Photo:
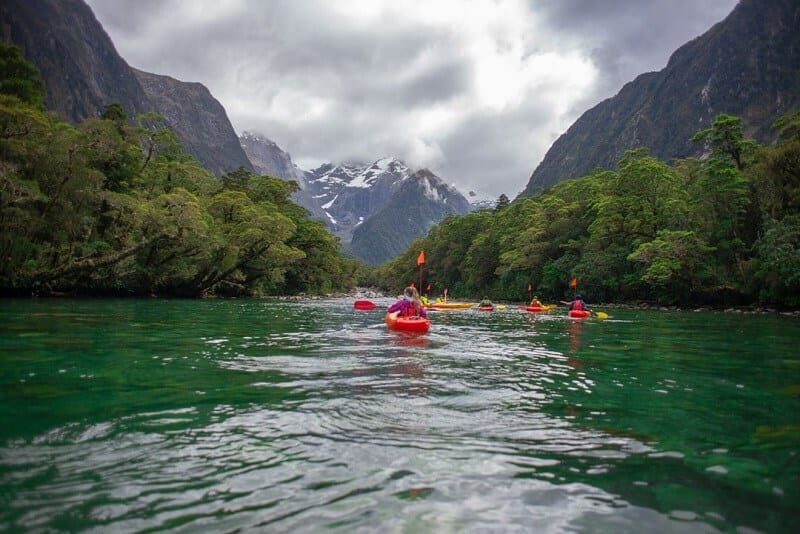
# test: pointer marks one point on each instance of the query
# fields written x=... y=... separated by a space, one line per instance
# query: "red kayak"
x=486 y=308
x=579 y=314
x=364 y=305
x=407 y=324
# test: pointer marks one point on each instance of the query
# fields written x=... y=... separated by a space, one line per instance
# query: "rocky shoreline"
x=357 y=294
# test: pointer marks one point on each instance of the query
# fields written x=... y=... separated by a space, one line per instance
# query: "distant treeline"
x=722 y=230
x=115 y=207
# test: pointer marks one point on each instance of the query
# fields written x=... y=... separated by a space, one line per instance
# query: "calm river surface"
x=275 y=416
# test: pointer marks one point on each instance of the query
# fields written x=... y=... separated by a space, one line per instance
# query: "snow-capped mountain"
x=418 y=202
x=349 y=194
x=392 y=202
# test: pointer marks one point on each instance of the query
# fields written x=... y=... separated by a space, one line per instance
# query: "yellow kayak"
x=538 y=309
x=449 y=305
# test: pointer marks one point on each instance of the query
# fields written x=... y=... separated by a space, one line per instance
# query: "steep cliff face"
x=80 y=67
x=268 y=158
x=199 y=120
x=747 y=65
x=83 y=72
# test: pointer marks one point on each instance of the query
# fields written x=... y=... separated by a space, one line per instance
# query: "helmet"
x=579 y=297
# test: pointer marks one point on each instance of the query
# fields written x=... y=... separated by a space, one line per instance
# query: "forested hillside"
x=721 y=230
x=747 y=66
x=83 y=72
x=115 y=207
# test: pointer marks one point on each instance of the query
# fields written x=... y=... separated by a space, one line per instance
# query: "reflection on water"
x=308 y=416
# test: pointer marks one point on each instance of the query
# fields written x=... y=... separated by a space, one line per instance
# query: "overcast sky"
x=474 y=90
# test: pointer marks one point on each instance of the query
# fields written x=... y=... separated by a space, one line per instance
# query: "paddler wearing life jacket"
x=577 y=304
x=409 y=304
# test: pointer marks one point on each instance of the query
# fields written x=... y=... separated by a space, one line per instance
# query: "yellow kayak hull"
x=449 y=305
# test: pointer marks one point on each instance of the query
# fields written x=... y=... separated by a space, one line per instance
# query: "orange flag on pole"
x=529 y=287
x=421 y=257
x=574 y=283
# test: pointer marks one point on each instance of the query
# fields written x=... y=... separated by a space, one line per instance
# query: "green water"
x=227 y=415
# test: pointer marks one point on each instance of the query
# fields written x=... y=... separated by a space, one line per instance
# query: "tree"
x=502 y=202
x=112 y=152
x=678 y=264
x=788 y=126
x=721 y=200
x=644 y=197
x=252 y=244
x=237 y=180
x=322 y=269
x=483 y=257
x=726 y=138
x=20 y=78
x=20 y=123
x=114 y=112
x=778 y=262
x=776 y=175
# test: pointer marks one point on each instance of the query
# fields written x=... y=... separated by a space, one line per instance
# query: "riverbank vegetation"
x=722 y=230
x=115 y=207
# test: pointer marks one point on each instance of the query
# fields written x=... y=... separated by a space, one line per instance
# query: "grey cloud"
x=439 y=82
x=369 y=79
x=498 y=148
x=626 y=38
x=124 y=16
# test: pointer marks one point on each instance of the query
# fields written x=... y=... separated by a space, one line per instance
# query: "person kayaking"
x=577 y=304
x=536 y=303
x=485 y=303
x=409 y=304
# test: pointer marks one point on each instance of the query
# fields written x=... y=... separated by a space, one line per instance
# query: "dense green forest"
x=722 y=230
x=114 y=207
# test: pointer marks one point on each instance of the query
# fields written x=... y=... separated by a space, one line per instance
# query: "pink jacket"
x=406 y=307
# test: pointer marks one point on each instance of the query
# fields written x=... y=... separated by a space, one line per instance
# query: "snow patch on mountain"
x=431 y=192
x=328 y=205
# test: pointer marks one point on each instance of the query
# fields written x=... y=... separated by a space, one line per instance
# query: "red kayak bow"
x=364 y=305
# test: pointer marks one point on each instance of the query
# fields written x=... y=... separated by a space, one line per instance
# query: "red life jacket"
x=409 y=311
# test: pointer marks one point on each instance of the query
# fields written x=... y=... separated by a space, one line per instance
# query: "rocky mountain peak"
x=269 y=159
